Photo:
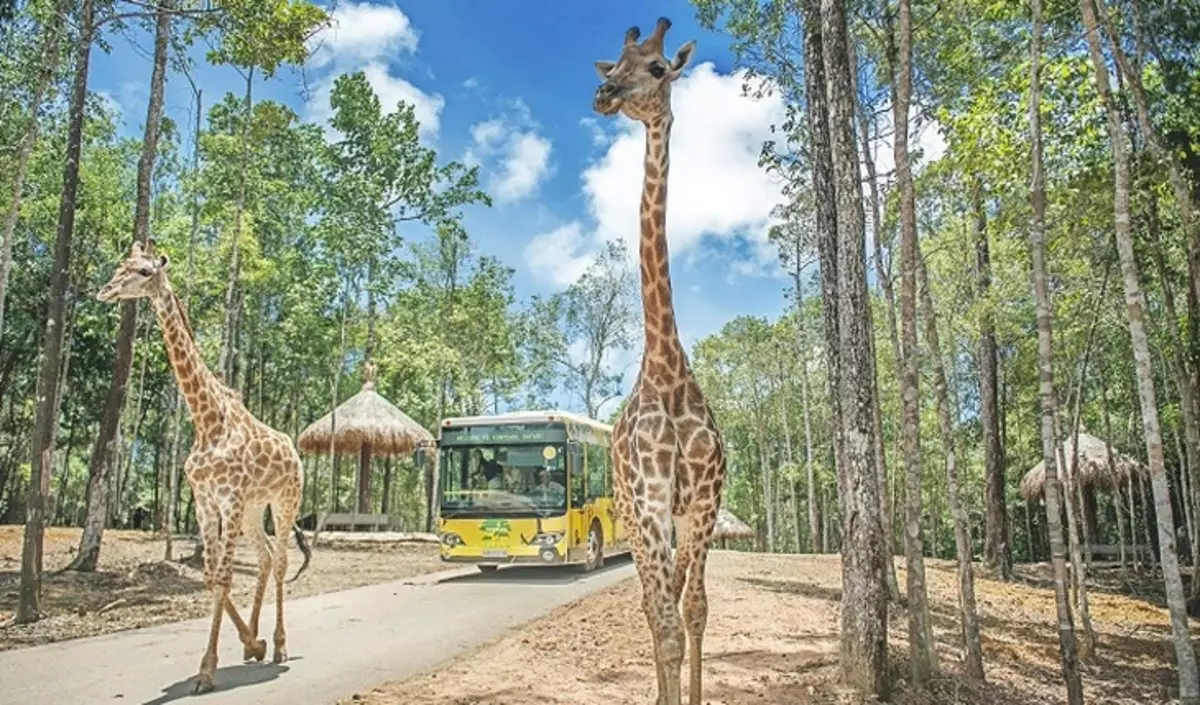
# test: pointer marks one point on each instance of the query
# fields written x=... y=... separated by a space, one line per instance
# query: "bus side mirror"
x=575 y=452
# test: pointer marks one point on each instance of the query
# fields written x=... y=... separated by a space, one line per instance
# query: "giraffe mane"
x=221 y=386
x=183 y=313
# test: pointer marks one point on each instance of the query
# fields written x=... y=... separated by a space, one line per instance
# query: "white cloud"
x=512 y=154
x=362 y=32
x=716 y=188
x=362 y=37
x=560 y=255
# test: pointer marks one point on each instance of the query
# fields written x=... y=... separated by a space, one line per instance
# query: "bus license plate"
x=494 y=553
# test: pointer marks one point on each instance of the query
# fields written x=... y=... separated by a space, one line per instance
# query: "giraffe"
x=668 y=456
x=237 y=466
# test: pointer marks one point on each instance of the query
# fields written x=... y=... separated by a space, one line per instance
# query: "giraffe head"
x=139 y=275
x=639 y=82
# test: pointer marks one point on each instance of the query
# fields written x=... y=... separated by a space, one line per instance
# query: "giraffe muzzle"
x=608 y=99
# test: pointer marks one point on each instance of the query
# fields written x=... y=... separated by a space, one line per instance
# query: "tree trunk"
x=46 y=415
x=921 y=655
x=883 y=278
x=997 y=549
x=814 y=520
x=1189 y=677
x=107 y=438
x=1183 y=195
x=51 y=38
x=864 y=585
x=193 y=232
x=885 y=507
x=333 y=393
x=1179 y=360
x=232 y=292
x=826 y=226
x=1076 y=493
x=1037 y=189
x=962 y=527
x=1112 y=469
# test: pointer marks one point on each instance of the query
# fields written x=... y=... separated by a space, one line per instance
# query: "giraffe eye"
x=145 y=271
x=657 y=70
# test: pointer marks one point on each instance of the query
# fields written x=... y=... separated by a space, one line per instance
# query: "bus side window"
x=597 y=470
x=578 y=487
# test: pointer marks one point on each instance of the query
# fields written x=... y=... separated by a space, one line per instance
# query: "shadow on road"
x=538 y=575
x=226 y=678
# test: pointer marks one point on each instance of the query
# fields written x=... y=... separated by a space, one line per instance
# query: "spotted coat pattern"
x=668 y=457
x=237 y=467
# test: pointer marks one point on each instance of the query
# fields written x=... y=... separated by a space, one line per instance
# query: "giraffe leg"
x=209 y=519
x=283 y=519
x=695 y=603
x=257 y=648
x=653 y=525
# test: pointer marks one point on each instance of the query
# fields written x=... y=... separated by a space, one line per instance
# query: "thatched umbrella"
x=1093 y=467
x=366 y=424
x=729 y=526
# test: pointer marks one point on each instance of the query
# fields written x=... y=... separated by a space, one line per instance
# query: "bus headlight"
x=548 y=539
x=451 y=539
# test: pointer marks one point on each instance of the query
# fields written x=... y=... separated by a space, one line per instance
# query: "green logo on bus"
x=493 y=529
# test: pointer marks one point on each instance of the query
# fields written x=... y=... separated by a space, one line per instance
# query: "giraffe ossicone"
x=237 y=466
x=668 y=456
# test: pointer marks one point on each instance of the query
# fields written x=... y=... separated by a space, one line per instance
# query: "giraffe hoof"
x=204 y=684
x=280 y=655
x=257 y=652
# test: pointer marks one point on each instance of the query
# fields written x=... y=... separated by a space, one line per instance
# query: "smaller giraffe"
x=668 y=457
x=237 y=466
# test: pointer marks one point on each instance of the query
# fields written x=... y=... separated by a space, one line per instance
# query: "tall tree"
x=962 y=526
x=102 y=455
x=46 y=422
x=997 y=549
x=1189 y=676
x=1037 y=235
x=921 y=656
x=583 y=327
x=864 y=586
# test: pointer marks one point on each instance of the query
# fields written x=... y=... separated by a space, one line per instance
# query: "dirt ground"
x=135 y=588
x=772 y=637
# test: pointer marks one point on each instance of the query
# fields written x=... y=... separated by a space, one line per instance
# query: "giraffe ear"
x=682 y=57
x=163 y=262
x=605 y=68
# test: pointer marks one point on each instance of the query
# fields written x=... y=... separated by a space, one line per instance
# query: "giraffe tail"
x=305 y=548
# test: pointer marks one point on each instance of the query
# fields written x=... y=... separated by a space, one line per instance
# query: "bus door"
x=583 y=505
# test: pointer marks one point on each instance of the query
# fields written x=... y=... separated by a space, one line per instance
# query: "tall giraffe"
x=237 y=467
x=668 y=458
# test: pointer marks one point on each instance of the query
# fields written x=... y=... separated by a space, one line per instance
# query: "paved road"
x=339 y=643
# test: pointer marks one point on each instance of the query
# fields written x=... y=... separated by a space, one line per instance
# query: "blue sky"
x=509 y=86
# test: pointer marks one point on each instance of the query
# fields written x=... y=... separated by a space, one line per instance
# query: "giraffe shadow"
x=226 y=678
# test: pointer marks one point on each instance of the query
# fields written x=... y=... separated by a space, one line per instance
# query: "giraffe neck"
x=200 y=388
x=662 y=345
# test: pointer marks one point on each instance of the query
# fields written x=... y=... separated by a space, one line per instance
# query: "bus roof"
x=527 y=416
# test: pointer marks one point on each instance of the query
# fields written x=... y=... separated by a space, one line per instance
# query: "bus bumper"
x=525 y=555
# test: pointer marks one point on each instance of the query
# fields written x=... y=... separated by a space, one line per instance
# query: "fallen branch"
x=111 y=606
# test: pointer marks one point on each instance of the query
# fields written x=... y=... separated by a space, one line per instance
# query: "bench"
x=354 y=520
x=1110 y=550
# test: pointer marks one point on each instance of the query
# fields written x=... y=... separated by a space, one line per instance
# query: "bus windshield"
x=528 y=478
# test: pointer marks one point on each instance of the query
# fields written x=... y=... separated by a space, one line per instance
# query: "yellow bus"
x=527 y=487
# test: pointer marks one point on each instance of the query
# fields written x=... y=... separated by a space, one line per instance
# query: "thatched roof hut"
x=730 y=527
x=365 y=424
x=1093 y=467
